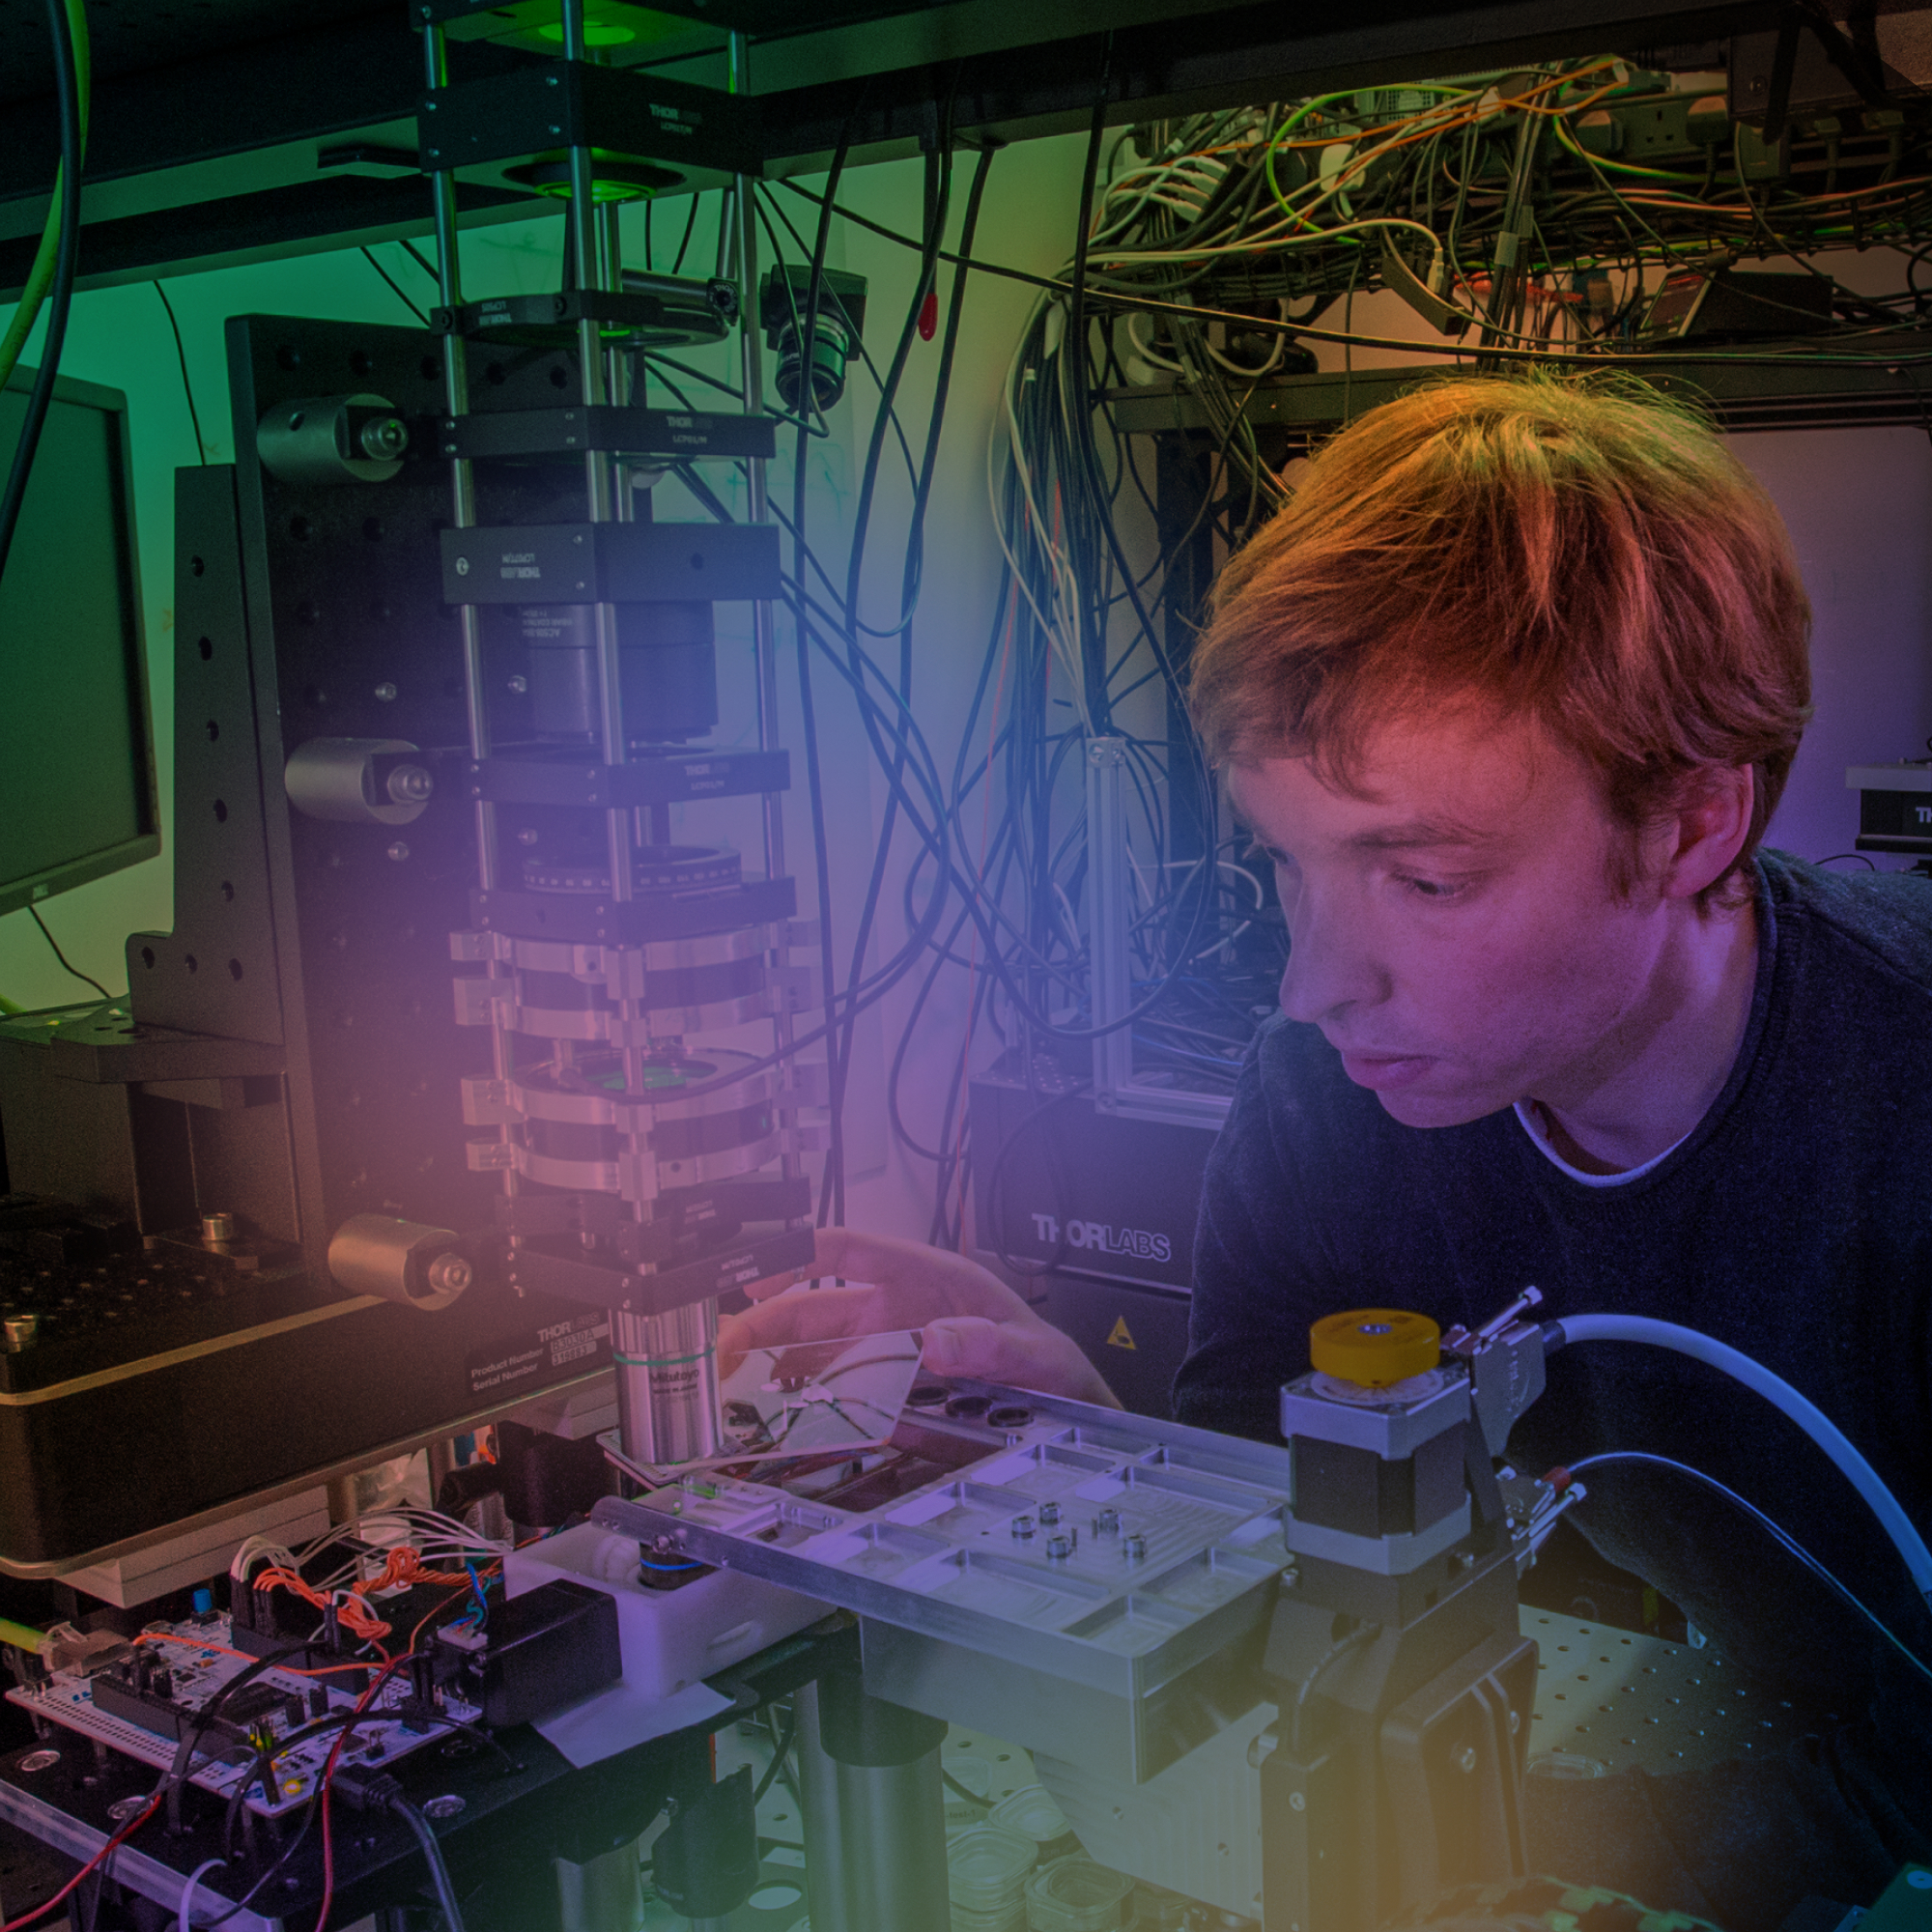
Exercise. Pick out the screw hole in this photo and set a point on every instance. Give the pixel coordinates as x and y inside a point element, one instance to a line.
<point>207,649</point>
<point>235,969</point>
<point>228,891</point>
<point>148,957</point>
<point>220,811</point>
<point>289,356</point>
<point>213,730</point>
<point>360,361</point>
<point>196,566</point>
<point>192,964</point>
<point>301,528</point>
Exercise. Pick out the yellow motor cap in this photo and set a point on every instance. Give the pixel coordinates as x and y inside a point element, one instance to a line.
<point>1375,1347</point>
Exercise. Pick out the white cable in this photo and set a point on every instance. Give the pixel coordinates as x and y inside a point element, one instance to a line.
<point>184,1923</point>
<point>1807,1415</point>
<point>1145,351</point>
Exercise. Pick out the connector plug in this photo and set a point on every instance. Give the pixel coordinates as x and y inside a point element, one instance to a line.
<point>364,1791</point>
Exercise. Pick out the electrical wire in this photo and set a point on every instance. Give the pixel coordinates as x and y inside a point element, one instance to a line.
<point>96,1863</point>
<point>1362,1634</point>
<point>396,288</point>
<point>183,1920</point>
<point>67,20</point>
<point>41,274</point>
<point>425,1836</point>
<point>1559,1478</point>
<point>1211,249</point>
<point>188,387</point>
<point>779,1753</point>
<point>73,972</point>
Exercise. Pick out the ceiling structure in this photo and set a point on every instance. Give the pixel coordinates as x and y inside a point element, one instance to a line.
<point>228,131</point>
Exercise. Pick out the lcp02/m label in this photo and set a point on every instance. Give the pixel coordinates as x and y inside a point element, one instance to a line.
<point>573,1346</point>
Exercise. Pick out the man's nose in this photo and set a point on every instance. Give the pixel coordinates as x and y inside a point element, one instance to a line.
<point>1331,965</point>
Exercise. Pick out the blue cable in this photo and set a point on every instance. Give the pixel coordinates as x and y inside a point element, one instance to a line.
<point>1757,1516</point>
<point>482,1601</point>
<point>1808,1416</point>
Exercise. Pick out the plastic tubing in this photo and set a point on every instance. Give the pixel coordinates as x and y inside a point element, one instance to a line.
<point>1807,1415</point>
<point>22,1636</point>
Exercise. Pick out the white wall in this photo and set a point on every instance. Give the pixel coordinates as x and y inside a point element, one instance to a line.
<point>1858,505</point>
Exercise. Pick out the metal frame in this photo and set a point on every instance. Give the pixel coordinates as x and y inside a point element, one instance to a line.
<point>231,167</point>
<point>1062,1678</point>
<point>131,1867</point>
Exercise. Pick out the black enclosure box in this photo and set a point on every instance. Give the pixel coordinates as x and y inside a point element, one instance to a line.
<point>1060,1184</point>
<point>1136,1337</point>
<point>534,1654</point>
<point>1895,806</point>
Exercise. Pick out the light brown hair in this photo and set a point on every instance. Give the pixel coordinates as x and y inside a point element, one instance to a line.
<point>1568,550</point>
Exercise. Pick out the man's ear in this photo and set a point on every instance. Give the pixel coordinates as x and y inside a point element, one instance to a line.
<point>1700,840</point>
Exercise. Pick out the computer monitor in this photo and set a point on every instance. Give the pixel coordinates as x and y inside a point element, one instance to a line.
<point>77,796</point>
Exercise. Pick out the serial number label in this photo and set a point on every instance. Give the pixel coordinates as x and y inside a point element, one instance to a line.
<point>539,1355</point>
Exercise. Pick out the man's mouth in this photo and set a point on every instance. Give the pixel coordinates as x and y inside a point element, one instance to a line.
<point>1385,1071</point>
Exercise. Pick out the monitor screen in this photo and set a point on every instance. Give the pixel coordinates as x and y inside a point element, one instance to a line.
<point>76,750</point>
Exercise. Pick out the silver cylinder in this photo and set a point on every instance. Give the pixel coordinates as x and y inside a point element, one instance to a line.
<point>314,440</point>
<point>335,777</point>
<point>402,1260</point>
<point>827,1881</point>
<point>874,1836</point>
<point>606,1894</point>
<point>896,1853</point>
<point>667,1384</point>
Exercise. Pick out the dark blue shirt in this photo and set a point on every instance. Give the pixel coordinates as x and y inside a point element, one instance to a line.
<point>1795,1223</point>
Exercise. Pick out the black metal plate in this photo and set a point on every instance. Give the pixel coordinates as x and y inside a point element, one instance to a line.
<point>675,1287</point>
<point>571,103</point>
<point>566,433</point>
<point>621,563</point>
<point>660,781</point>
<point>587,922</point>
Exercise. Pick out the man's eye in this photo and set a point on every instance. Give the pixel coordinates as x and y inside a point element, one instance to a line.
<point>1430,889</point>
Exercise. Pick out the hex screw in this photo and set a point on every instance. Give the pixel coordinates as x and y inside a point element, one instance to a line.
<point>1023,1527</point>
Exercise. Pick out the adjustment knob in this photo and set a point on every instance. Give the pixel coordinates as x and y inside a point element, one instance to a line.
<point>1375,1347</point>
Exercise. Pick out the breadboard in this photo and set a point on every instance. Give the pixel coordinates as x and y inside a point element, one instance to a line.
<point>199,1673</point>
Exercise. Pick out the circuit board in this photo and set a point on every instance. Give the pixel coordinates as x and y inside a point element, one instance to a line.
<point>144,1711</point>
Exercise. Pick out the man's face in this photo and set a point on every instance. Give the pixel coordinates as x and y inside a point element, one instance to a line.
<point>1453,929</point>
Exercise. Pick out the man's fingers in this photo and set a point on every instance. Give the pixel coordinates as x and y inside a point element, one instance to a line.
<point>1026,1354</point>
<point>830,1312</point>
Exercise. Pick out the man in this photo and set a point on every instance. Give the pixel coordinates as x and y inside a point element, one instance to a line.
<point>1507,695</point>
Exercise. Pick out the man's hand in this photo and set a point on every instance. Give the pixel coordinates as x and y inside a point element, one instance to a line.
<point>974,1324</point>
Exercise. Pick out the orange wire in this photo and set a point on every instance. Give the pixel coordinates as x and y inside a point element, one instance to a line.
<point>225,1650</point>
